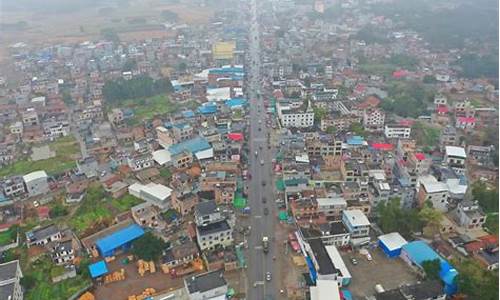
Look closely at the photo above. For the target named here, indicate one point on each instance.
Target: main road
(261, 185)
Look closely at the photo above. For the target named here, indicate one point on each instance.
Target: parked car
(268, 276)
(369, 257)
(266, 211)
(354, 261)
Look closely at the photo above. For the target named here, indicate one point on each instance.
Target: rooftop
(205, 282)
(356, 217)
(323, 259)
(455, 151)
(119, 238)
(8, 270)
(213, 228)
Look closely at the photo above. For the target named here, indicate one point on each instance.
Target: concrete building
(36, 183)
(218, 234)
(430, 189)
(206, 286)
(455, 158)
(207, 212)
(291, 117)
(10, 281)
(395, 131)
(373, 120)
(154, 193)
(469, 215)
(357, 224)
(43, 235)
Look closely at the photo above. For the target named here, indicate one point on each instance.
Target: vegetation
(474, 66)
(431, 218)
(357, 128)
(426, 135)
(429, 79)
(486, 197)
(372, 35)
(432, 269)
(58, 211)
(166, 173)
(491, 223)
(148, 247)
(407, 99)
(40, 287)
(115, 91)
(67, 151)
(169, 15)
(391, 217)
(404, 61)
(320, 113)
(125, 203)
(8, 236)
(476, 282)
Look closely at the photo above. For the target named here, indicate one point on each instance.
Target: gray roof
(424, 290)
(8, 270)
(7, 290)
(42, 233)
(213, 228)
(205, 282)
(205, 208)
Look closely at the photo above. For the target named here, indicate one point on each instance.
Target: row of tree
(137, 87)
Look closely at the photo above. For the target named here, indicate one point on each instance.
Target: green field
(148, 108)
(98, 208)
(67, 151)
(7, 237)
(44, 288)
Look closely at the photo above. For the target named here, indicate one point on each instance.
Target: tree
(331, 130)
(475, 282)
(429, 79)
(319, 113)
(431, 217)
(129, 65)
(28, 281)
(432, 269)
(392, 218)
(486, 197)
(110, 35)
(474, 66)
(169, 15)
(357, 128)
(58, 211)
(137, 87)
(148, 247)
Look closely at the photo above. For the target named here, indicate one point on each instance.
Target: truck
(265, 244)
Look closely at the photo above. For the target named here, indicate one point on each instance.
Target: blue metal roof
(188, 114)
(355, 140)
(119, 238)
(193, 145)
(98, 269)
(236, 102)
(207, 109)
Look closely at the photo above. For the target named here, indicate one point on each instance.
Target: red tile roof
(420, 156)
(467, 120)
(399, 73)
(442, 109)
(384, 147)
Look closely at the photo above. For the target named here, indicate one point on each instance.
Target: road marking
(258, 247)
(258, 217)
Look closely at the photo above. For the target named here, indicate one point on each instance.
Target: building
(357, 224)
(180, 254)
(214, 235)
(87, 166)
(332, 207)
(373, 120)
(223, 50)
(334, 233)
(434, 191)
(448, 137)
(120, 240)
(13, 187)
(325, 263)
(455, 158)
(207, 212)
(396, 131)
(391, 244)
(469, 215)
(154, 193)
(43, 235)
(147, 215)
(206, 286)
(36, 183)
(10, 281)
(427, 290)
(63, 252)
(292, 116)
(416, 252)
(325, 290)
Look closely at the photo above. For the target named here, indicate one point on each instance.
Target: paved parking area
(390, 273)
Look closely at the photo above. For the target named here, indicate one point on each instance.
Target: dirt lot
(390, 273)
(134, 284)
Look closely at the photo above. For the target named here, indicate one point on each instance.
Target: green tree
(110, 35)
(431, 217)
(129, 65)
(486, 197)
(169, 15)
(429, 79)
(391, 217)
(475, 282)
(331, 130)
(58, 211)
(148, 247)
(28, 281)
(357, 128)
(432, 269)
(137, 87)
(320, 113)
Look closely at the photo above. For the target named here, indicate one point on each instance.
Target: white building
(294, 117)
(214, 235)
(156, 194)
(373, 120)
(395, 131)
(455, 158)
(357, 224)
(325, 290)
(36, 183)
(206, 286)
(434, 191)
(10, 285)
(331, 207)
(470, 215)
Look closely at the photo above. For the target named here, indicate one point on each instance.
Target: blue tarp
(207, 109)
(419, 251)
(98, 269)
(193, 145)
(355, 140)
(235, 102)
(120, 239)
(312, 270)
(188, 114)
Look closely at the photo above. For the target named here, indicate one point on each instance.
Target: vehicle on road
(264, 200)
(261, 162)
(268, 276)
(263, 183)
(256, 153)
(265, 244)
(369, 257)
(354, 261)
(260, 129)
(266, 211)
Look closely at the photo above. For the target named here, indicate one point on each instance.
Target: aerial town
(277, 149)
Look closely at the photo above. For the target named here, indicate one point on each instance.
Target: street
(261, 184)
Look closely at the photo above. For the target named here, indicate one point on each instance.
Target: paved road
(259, 263)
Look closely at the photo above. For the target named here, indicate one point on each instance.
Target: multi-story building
(332, 207)
(138, 161)
(206, 213)
(433, 191)
(212, 235)
(469, 215)
(30, 117)
(36, 183)
(322, 148)
(295, 117)
(211, 285)
(43, 235)
(455, 158)
(10, 281)
(56, 128)
(396, 131)
(373, 120)
(63, 252)
(182, 131)
(357, 224)
(448, 137)
(13, 187)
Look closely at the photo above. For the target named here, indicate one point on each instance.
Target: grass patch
(67, 151)
(125, 203)
(8, 237)
(148, 108)
(44, 288)
(426, 136)
(491, 223)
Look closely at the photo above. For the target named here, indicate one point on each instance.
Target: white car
(369, 257)
(261, 162)
(268, 276)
